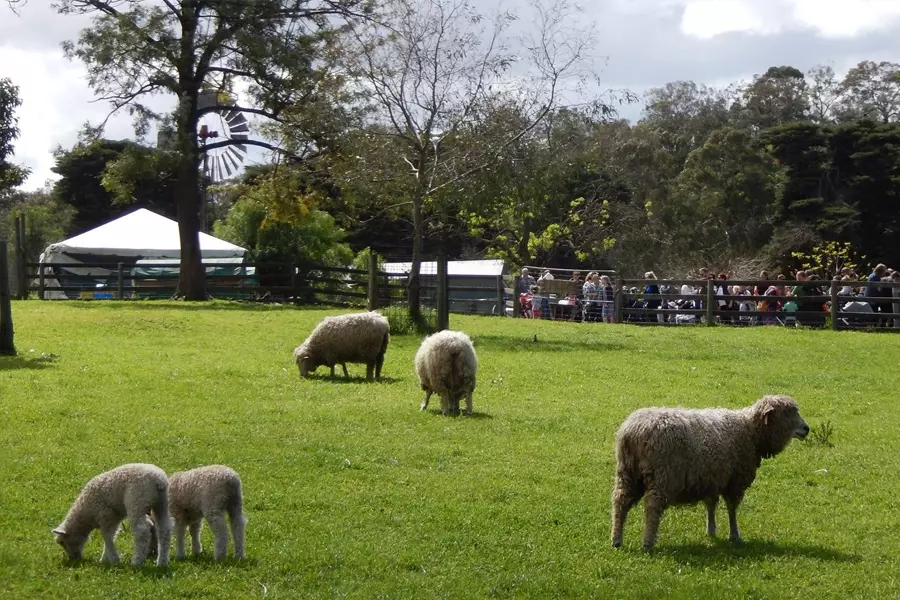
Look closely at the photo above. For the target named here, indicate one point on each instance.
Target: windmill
(219, 120)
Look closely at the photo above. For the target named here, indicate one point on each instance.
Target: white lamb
(446, 365)
(353, 338)
(130, 491)
(208, 493)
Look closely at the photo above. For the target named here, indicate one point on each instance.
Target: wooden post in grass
(21, 259)
(443, 300)
(710, 302)
(120, 284)
(517, 302)
(373, 281)
(834, 305)
(6, 325)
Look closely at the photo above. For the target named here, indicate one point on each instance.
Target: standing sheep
(674, 456)
(353, 338)
(446, 364)
(131, 491)
(208, 493)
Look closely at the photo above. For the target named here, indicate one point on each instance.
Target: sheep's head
(72, 543)
(778, 420)
(306, 360)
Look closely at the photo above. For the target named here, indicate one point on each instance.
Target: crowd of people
(592, 299)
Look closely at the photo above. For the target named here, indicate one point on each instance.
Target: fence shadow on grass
(13, 363)
(722, 552)
(213, 305)
(508, 343)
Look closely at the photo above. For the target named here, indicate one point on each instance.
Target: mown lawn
(351, 492)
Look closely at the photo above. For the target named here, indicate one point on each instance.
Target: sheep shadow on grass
(14, 363)
(461, 415)
(722, 552)
(339, 378)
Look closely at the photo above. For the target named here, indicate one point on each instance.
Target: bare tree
(428, 67)
(825, 93)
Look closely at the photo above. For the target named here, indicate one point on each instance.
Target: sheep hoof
(617, 544)
(736, 541)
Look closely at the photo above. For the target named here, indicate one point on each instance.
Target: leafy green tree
(430, 71)
(103, 179)
(11, 175)
(775, 97)
(728, 192)
(279, 48)
(872, 92)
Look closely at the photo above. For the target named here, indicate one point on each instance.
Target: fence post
(617, 304)
(517, 302)
(501, 296)
(41, 282)
(373, 281)
(443, 300)
(295, 284)
(710, 302)
(121, 283)
(6, 324)
(21, 259)
(834, 305)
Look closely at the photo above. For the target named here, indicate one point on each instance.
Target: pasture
(351, 492)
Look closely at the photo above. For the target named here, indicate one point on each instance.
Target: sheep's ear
(765, 414)
(58, 531)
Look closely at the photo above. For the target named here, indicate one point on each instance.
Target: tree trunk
(415, 299)
(192, 278)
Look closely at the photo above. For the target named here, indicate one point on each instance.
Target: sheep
(207, 493)
(132, 491)
(673, 456)
(353, 338)
(446, 364)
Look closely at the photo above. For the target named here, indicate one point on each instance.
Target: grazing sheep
(207, 493)
(353, 338)
(446, 364)
(132, 491)
(674, 456)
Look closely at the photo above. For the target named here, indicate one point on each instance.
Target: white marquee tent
(138, 236)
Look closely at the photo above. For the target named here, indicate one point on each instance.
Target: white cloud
(834, 19)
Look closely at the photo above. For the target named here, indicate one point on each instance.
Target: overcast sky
(647, 42)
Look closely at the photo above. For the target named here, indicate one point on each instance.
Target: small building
(475, 286)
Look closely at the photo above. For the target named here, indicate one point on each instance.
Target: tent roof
(454, 267)
(141, 233)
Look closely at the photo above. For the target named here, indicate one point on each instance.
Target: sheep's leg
(220, 535)
(370, 370)
(110, 555)
(140, 530)
(624, 497)
(654, 505)
(469, 403)
(238, 522)
(379, 362)
(732, 503)
(332, 371)
(446, 403)
(163, 521)
(180, 528)
(346, 374)
(196, 542)
(711, 516)
(425, 403)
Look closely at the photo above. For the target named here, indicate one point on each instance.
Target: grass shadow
(12, 363)
(507, 344)
(721, 552)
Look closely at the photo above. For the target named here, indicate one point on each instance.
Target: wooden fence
(273, 282)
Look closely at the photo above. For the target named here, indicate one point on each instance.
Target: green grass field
(351, 492)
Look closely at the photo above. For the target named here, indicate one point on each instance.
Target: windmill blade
(236, 154)
(227, 168)
(235, 118)
(229, 158)
(244, 128)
